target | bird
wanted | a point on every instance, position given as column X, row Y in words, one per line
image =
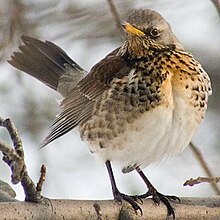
column 141, row 103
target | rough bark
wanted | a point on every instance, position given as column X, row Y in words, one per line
column 189, row 208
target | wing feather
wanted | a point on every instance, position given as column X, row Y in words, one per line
column 78, row 106
column 48, row 63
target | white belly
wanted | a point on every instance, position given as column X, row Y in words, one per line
column 159, row 133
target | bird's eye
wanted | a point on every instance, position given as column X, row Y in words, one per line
column 154, row 32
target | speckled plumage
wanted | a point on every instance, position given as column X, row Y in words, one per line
column 142, row 102
column 166, row 83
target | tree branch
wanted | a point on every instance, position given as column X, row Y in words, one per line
column 205, row 167
column 15, row 160
column 196, row 209
column 192, row 182
column 116, row 17
column 217, row 5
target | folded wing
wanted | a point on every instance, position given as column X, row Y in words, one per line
column 78, row 106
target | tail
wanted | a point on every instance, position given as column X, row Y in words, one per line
column 48, row 63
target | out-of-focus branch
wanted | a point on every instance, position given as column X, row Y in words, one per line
column 205, row 167
column 75, row 20
column 217, row 5
column 192, row 182
column 115, row 16
column 13, row 23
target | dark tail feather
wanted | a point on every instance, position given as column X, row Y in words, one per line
column 46, row 62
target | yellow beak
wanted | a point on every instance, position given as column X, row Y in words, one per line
column 132, row 30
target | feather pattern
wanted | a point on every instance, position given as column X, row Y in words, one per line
column 78, row 105
column 46, row 62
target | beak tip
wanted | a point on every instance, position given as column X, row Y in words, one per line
column 130, row 29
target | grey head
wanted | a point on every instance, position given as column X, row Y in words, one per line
column 155, row 28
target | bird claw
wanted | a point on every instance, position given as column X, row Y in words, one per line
column 138, row 199
column 165, row 199
column 174, row 198
column 158, row 197
column 119, row 197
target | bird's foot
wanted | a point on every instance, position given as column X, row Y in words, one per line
column 119, row 197
column 157, row 198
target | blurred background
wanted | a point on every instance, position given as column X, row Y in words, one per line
column 87, row 31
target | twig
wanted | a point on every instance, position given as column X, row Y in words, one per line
column 116, row 17
column 14, row 136
column 13, row 157
column 192, row 182
column 205, row 167
column 42, row 179
column 217, row 5
column 15, row 160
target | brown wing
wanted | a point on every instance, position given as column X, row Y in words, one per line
column 78, row 105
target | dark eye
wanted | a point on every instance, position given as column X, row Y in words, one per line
column 154, row 32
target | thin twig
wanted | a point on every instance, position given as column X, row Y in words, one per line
column 17, row 142
column 116, row 17
column 13, row 157
column 217, row 5
column 15, row 160
column 205, row 167
column 42, row 178
column 192, row 182
column 5, row 149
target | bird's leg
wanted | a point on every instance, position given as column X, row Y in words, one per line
column 118, row 196
column 157, row 197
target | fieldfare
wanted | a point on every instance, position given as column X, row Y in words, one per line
column 141, row 103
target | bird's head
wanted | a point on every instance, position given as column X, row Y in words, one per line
column 147, row 30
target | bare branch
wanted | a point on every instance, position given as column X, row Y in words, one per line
column 116, row 17
column 192, row 182
column 189, row 208
column 14, row 136
column 217, row 5
column 42, row 179
column 205, row 167
column 15, row 160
